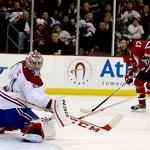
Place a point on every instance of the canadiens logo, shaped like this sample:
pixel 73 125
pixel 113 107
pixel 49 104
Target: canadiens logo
pixel 80 72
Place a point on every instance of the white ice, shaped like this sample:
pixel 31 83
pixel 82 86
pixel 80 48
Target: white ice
pixel 132 133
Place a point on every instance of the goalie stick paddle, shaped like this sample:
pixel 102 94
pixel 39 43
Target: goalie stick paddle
pixel 95 128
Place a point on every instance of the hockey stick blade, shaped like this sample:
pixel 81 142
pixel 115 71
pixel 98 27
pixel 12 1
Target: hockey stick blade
pixel 95 128
pixel 84 110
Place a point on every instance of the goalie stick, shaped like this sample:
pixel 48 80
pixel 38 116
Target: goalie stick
pixel 85 124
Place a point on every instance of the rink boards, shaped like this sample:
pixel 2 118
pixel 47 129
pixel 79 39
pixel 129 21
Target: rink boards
pixel 76 75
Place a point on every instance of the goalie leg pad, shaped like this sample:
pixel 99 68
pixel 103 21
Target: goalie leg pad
pixel 48 126
pixel 33 132
pixel 39 130
pixel 60 112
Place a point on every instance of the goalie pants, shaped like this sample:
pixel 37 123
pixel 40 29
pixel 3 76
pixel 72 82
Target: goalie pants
pixel 16 118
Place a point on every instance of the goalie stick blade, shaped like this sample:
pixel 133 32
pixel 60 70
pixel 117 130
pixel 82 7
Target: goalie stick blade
pixel 113 122
pixel 95 128
pixel 116 120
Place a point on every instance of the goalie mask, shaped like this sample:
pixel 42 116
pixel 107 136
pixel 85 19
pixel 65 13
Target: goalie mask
pixel 34 62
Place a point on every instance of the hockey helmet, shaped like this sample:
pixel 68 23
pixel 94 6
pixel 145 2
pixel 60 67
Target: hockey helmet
pixel 123 42
pixel 34 62
pixel 125 38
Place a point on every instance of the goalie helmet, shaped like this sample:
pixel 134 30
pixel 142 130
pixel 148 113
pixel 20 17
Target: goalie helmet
pixel 34 61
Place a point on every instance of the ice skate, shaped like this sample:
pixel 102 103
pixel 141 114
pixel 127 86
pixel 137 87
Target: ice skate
pixel 142 103
pixel 138 106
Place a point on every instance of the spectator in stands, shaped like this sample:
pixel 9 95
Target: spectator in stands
pixel 108 22
pixel 145 17
pixel 40 35
pixel 121 6
pixel 72 12
pixel 85 9
pixel 135 30
pixel 49 21
pixel 23 26
pixel 25 4
pixel 56 16
pixel 118 22
pixel 130 13
pixel 139 6
pixel 87 30
pixel 56 46
pixel 15 12
pixel 106 9
pixel 64 35
pixel 102 38
pixel 67 25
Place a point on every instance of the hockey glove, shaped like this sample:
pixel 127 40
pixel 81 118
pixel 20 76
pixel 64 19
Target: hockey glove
pixel 128 79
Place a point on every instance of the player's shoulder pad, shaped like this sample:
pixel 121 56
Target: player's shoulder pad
pixel 31 77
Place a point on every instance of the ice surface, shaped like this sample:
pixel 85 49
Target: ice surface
pixel 132 133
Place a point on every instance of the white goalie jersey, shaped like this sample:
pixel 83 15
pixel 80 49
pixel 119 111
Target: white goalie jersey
pixel 23 85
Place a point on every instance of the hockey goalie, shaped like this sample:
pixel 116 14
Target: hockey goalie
pixel 24 88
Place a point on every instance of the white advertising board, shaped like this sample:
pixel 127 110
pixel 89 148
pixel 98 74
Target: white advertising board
pixel 95 72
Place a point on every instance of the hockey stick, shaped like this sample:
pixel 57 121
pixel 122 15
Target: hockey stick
pixel 102 109
pixel 92 110
pixel 82 123
pixel 88 111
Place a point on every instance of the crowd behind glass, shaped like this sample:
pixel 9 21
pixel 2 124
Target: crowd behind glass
pixel 55 25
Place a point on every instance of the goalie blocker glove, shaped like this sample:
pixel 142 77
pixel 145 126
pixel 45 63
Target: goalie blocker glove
pixel 59 109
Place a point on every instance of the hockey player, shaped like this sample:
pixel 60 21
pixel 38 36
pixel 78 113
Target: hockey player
pixel 25 86
pixel 136 55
